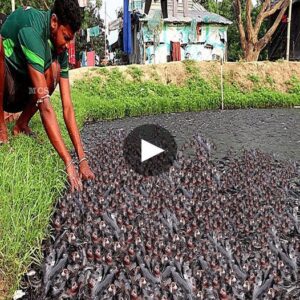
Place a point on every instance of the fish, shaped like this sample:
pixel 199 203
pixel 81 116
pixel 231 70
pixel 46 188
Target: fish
pixel 103 284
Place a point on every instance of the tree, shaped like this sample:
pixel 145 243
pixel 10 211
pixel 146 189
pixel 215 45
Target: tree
pixel 251 42
pixel 241 42
pixel 92 18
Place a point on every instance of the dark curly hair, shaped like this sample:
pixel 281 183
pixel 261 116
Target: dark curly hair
pixel 68 13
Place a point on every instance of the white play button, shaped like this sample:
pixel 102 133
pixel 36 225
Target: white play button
pixel 149 150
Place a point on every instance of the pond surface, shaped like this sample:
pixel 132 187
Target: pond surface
pixel 270 130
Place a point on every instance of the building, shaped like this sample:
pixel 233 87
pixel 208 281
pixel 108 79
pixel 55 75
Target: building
pixel 187 31
pixel 277 47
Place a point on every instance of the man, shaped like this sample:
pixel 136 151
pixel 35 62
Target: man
pixel 33 60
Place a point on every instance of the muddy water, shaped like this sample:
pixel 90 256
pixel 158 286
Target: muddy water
pixel 274 131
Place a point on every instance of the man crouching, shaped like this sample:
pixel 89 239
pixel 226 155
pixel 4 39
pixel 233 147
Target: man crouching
pixel 33 60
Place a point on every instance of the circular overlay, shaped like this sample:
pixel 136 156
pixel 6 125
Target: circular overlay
pixel 143 143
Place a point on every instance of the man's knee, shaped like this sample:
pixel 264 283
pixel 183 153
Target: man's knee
pixel 1 48
pixel 2 75
pixel 52 76
pixel 2 58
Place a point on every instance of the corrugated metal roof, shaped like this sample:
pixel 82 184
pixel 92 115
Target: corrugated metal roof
pixel 195 11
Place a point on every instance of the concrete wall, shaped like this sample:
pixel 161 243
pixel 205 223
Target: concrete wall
pixel 209 43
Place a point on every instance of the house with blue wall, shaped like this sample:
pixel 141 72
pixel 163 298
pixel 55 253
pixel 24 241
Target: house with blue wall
pixel 174 30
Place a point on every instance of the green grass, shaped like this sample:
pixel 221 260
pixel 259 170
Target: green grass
pixel 254 78
pixel 135 72
pixel 31 177
pixel 31 173
pixel 294 85
pixel 270 80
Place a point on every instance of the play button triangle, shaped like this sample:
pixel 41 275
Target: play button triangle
pixel 149 150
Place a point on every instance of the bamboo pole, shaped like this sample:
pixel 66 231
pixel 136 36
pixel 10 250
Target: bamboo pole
pixel 288 40
pixel 105 25
pixel 222 84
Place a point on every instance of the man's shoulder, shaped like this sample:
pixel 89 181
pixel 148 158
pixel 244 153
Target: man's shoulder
pixel 36 16
pixel 36 20
pixel 28 11
pixel 27 16
pixel 32 10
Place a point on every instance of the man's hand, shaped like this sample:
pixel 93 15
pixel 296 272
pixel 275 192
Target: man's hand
pixel 74 179
pixel 85 171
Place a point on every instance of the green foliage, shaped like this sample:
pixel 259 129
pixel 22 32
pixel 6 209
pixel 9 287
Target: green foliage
pixel 194 80
pixel 91 19
pixel 31 178
pixel 254 78
pixel 270 80
pixel 294 85
pixel 134 98
pixel 136 73
pixel 191 68
pixel 154 74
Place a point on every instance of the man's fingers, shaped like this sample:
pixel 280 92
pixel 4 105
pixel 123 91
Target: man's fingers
pixel 80 185
pixel 91 175
pixel 86 173
pixel 75 184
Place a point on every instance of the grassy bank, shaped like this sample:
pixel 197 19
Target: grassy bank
pixel 32 175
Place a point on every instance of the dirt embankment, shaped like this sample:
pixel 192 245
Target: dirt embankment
pixel 275 75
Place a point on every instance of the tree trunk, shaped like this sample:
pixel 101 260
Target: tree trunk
pixel 250 42
pixel 251 53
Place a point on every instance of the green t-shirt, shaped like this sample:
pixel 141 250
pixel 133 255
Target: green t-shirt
pixel 26 40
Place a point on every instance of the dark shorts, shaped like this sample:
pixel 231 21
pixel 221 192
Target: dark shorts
pixel 17 89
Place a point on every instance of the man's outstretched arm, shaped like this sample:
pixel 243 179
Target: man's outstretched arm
pixel 69 117
pixel 51 126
